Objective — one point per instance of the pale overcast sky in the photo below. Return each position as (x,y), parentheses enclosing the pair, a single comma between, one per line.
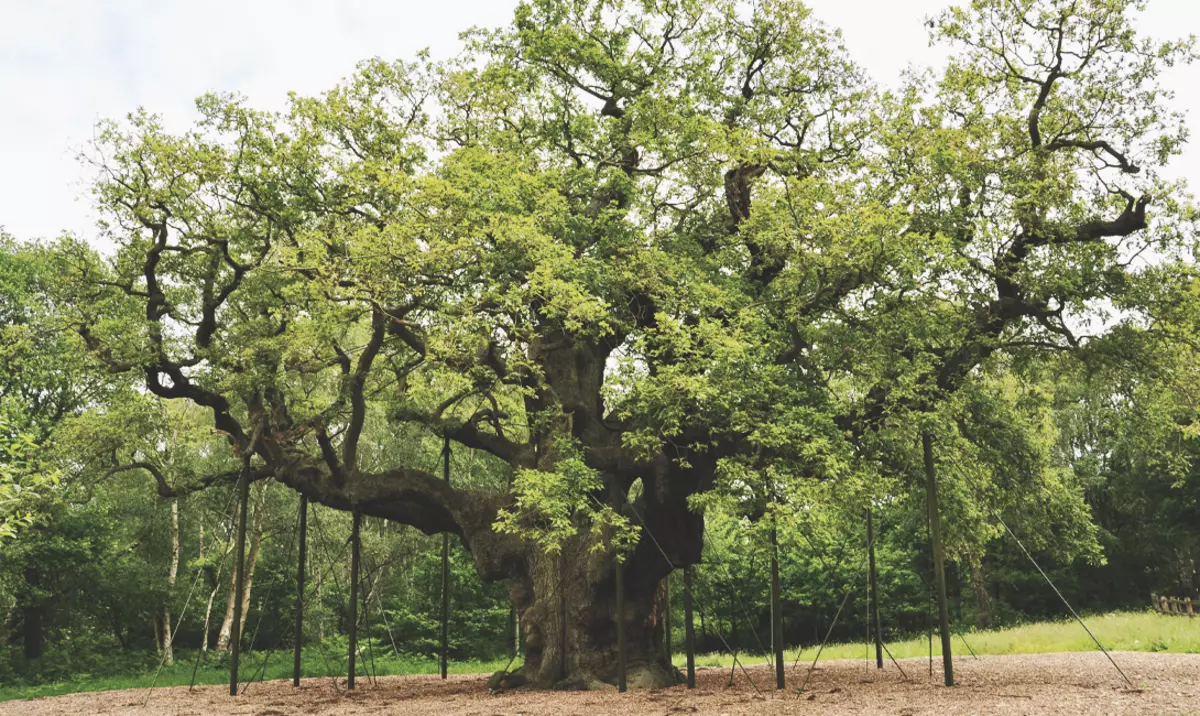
(64,64)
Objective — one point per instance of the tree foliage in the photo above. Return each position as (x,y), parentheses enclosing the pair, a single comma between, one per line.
(649,262)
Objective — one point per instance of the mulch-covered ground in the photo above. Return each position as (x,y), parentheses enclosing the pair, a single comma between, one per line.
(1074,684)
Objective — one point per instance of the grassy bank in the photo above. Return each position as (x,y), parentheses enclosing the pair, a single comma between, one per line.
(278,665)
(1118,631)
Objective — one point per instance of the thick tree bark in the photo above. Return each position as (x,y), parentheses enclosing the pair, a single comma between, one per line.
(587,581)
(939,572)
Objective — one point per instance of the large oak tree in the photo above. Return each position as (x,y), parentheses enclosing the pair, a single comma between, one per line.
(679,244)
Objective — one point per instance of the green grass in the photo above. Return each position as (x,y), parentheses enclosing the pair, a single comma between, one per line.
(279,666)
(1118,631)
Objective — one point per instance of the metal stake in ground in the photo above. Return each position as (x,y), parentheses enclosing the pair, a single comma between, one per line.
(300,589)
(874,592)
(776,610)
(939,567)
(929,612)
(235,629)
(689,628)
(445,654)
(1060,596)
(824,641)
(620,585)
(355,548)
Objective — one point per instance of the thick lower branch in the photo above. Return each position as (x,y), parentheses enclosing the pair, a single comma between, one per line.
(418,499)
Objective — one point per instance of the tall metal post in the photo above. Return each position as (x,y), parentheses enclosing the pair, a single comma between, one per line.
(303,537)
(355,548)
(875,620)
(620,585)
(445,654)
(939,568)
(689,627)
(776,609)
(771,621)
(235,629)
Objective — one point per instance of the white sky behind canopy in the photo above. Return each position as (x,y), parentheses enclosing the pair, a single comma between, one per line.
(65,64)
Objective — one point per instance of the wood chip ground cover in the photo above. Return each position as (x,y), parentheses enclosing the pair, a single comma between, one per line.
(1073,684)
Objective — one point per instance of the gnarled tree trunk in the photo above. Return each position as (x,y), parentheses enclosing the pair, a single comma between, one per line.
(566,601)
(581,653)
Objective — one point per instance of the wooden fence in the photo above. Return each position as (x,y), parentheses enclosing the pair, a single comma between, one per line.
(1172,605)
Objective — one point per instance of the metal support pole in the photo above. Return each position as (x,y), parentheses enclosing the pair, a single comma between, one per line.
(300,589)
(235,630)
(770,621)
(875,620)
(939,567)
(929,613)
(689,628)
(355,548)
(445,653)
(776,609)
(620,585)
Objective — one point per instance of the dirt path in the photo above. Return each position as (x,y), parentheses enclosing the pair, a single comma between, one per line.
(1074,684)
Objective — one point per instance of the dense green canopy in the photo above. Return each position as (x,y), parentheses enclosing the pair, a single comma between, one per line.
(648,260)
